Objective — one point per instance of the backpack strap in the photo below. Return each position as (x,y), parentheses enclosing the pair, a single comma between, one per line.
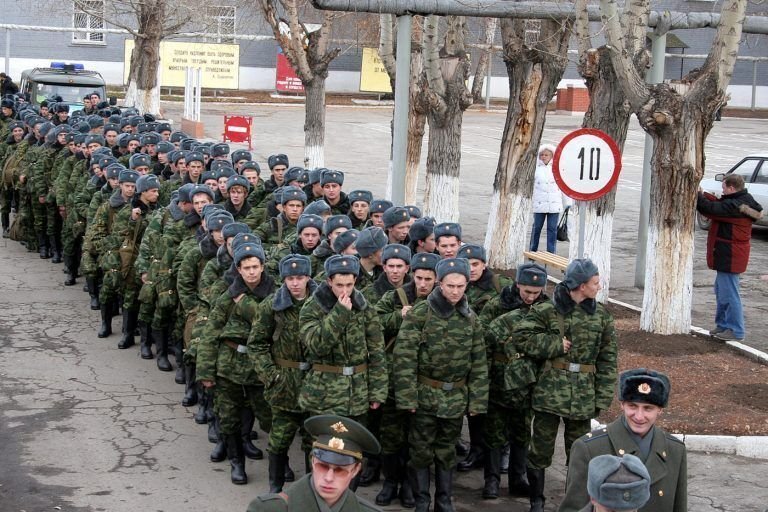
(403,297)
(496,283)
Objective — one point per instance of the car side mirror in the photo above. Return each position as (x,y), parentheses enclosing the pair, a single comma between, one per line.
(112,101)
(720,176)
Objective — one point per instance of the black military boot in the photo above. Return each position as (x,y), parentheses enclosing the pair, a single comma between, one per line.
(372,472)
(406,491)
(420,483)
(443,489)
(202,405)
(130,319)
(93,291)
(518,461)
(145,341)
(55,245)
(536,482)
(390,466)
(219,452)
(236,460)
(190,387)
(289,475)
(492,474)
(505,459)
(161,347)
(277,463)
(42,245)
(246,425)
(6,222)
(474,459)
(178,353)
(106,321)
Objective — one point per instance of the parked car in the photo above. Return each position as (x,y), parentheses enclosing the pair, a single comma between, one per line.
(754,168)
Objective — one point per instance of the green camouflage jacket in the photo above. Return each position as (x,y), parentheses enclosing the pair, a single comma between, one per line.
(59,165)
(589,327)
(444,343)
(230,320)
(275,347)
(41,170)
(189,272)
(338,337)
(484,289)
(274,231)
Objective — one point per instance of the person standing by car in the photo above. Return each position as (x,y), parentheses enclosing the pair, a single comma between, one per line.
(547,200)
(728,245)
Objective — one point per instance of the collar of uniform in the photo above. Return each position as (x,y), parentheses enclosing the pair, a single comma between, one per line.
(208,247)
(176,212)
(623,443)
(283,299)
(485,282)
(223,257)
(564,304)
(323,250)
(445,309)
(262,290)
(191,219)
(116,200)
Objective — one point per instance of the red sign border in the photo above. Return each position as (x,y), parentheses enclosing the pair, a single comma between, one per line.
(580,196)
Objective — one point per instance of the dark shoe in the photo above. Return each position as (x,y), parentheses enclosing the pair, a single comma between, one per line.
(213,431)
(202,404)
(93,291)
(443,490)
(518,462)
(492,474)
(420,484)
(406,492)
(505,459)
(717,330)
(42,244)
(728,335)
(219,452)
(474,459)
(252,451)
(179,377)
(246,425)
(462,448)
(289,476)
(390,466)
(130,319)
(536,481)
(161,347)
(190,389)
(106,321)
(145,343)
(372,472)
(236,460)
(277,464)
(55,246)
(6,233)
(70,280)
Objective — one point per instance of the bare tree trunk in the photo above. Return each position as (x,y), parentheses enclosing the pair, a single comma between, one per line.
(143,87)
(444,90)
(481,71)
(534,72)
(314,123)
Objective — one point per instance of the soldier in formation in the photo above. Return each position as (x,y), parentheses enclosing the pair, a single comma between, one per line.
(280,299)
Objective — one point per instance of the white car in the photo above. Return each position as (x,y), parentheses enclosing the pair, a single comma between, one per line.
(754,168)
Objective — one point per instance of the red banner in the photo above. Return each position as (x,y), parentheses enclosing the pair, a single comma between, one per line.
(286,79)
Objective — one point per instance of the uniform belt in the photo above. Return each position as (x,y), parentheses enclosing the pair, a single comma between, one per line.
(439,384)
(503,358)
(560,364)
(243,349)
(342,370)
(300,365)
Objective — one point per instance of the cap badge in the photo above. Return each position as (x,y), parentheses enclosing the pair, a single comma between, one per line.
(293,265)
(644,388)
(339,428)
(336,443)
(535,278)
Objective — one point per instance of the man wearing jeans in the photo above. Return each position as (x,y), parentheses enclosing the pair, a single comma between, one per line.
(728,244)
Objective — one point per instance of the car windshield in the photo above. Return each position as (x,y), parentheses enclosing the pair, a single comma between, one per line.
(71,94)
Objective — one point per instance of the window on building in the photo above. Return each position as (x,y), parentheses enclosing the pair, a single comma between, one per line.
(88,14)
(221,22)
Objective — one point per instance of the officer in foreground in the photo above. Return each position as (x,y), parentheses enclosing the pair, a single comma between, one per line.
(337,456)
(617,484)
(643,394)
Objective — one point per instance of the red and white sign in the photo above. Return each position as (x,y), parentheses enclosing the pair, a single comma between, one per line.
(238,129)
(285,77)
(587,164)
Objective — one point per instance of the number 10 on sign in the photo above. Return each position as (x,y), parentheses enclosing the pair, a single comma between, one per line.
(586,164)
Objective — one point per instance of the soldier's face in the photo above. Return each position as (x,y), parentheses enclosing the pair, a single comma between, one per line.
(114,183)
(252,177)
(128,189)
(342,284)
(396,269)
(309,237)
(195,168)
(424,280)
(448,246)
(297,286)
(377,220)
(453,287)
(150,196)
(360,210)
(331,191)
(591,288)
(476,269)
(111,137)
(63,116)
(277,173)
(250,270)
(222,184)
(132,145)
(7,111)
(237,195)
(399,232)
(199,201)
(292,209)
(331,481)
(640,417)
(18,134)
(529,294)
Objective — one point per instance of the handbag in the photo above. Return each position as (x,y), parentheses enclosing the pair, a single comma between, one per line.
(562,227)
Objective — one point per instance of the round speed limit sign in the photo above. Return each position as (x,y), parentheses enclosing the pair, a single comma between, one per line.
(587,164)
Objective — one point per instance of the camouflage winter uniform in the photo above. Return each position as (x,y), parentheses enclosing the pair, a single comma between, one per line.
(441,373)
(346,349)
(275,348)
(574,386)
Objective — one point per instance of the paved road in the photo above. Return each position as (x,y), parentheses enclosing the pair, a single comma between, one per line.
(85,427)
(358,139)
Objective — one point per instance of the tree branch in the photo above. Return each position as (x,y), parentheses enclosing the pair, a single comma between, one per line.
(387,44)
(432,57)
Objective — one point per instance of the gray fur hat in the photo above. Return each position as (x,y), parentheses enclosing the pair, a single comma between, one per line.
(578,272)
(370,240)
(618,483)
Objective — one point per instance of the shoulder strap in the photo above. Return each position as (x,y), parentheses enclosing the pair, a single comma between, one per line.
(279,220)
(278,327)
(403,297)
(496,283)
(111,217)
(561,324)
